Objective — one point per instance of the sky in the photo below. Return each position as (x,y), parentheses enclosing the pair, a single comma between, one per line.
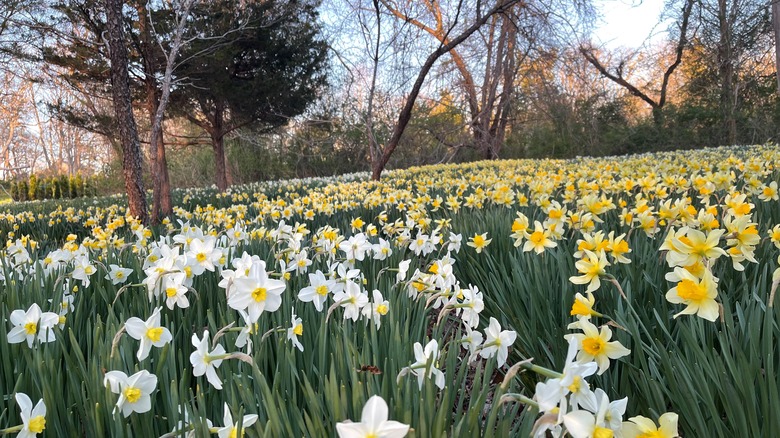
(628,23)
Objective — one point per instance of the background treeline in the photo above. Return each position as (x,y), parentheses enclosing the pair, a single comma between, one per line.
(277,89)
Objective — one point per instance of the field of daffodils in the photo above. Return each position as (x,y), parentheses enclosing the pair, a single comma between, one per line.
(619,297)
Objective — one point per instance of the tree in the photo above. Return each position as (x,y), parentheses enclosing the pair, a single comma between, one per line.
(617,74)
(162,205)
(446,44)
(776,28)
(488,102)
(265,69)
(123,111)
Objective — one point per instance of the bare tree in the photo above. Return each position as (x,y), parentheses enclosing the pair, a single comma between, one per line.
(447,43)
(123,110)
(488,102)
(617,73)
(161,199)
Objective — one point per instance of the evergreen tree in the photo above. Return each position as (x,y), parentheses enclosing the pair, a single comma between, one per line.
(266,67)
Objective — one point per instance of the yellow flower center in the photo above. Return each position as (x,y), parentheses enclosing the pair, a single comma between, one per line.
(602,432)
(132,394)
(434,269)
(298,329)
(31,328)
(37,424)
(89,270)
(171,292)
(537,237)
(575,384)
(518,226)
(120,275)
(580,309)
(382,309)
(479,241)
(321,290)
(154,333)
(62,319)
(689,290)
(201,257)
(259,294)
(593,346)
(620,247)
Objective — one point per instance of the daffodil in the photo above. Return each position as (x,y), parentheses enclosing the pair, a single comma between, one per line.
(479,242)
(592,268)
(352,299)
(149,332)
(697,294)
(206,362)
(375,310)
(33,418)
(134,391)
(497,342)
(595,345)
(118,274)
(643,427)
(539,239)
(31,325)
(425,364)
(373,423)
(295,330)
(256,293)
(230,428)
(583,307)
(318,290)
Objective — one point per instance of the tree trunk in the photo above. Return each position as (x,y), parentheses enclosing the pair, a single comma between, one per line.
(776,26)
(726,73)
(123,111)
(166,205)
(218,143)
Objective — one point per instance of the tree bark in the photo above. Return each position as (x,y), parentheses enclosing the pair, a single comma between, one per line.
(776,26)
(726,72)
(123,110)
(218,143)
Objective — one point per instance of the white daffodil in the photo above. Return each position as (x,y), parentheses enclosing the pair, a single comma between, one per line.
(473,303)
(118,274)
(230,429)
(376,309)
(295,330)
(148,332)
(202,255)
(373,423)
(83,269)
(250,328)
(256,293)
(205,362)
(32,325)
(471,341)
(33,418)
(497,342)
(318,290)
(175,290)
(572,381)
(352,299)
(134,391)
(425,364)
